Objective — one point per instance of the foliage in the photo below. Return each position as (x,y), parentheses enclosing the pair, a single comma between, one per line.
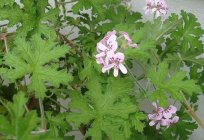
(33,58)
(18,126)
(114,103)
(51,84)
(23,17)
(174,85)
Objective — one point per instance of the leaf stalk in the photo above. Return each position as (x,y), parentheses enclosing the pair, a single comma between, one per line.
(42,114)
(191,112)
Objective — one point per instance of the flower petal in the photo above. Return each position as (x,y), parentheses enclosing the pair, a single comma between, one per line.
(115,73)
(165,122)
(151,116)
(152,123)
(114,46)
(157,14)
(101,47)
(167,114)
(133,45)
(99,60)
(160,109)
(158,126)
(126,36)
(123,68)
(108,67)
(102,54)
(155,105)
(172,109)
(112,39)
(158,116)
(175,119)
(119,56)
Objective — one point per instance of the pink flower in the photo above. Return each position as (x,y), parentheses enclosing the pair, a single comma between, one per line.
(175,120)
(169,111)
(100,61)
(107,36)
(157,122)
(107,57)
(126,36)
(156,117)
(110,45)
(157,7)
(163,117)
(160,8)
(128,39)
(169,122)
(127,2)
(116,61)
(149,6)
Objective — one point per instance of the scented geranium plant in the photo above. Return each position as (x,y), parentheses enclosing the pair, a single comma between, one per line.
(91,66)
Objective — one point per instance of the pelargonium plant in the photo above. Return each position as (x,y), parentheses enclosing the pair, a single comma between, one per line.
(91,69)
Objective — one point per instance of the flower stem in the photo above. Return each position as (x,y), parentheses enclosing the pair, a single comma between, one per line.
(136,81)
(42,113)
(191,112)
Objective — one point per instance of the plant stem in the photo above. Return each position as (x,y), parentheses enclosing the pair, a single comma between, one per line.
(155,55)
(26,108)
(67,41)
(191,112)
(42,113)
(3,37)
(136,81)
(3,25)
(59,104)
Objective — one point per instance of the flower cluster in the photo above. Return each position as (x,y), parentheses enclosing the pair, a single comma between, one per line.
(126,2)
(163,117)
(157,7)
(107,56)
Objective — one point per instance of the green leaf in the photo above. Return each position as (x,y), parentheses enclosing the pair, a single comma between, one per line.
(58,124)
(176,83)
(6,2)
(16,109)
(136,121)
(80,5)
(189,33)
(157,30)
(30,19)
(97,6)
(189,58)
(107,115)
(173,85)
(159,95)
(91,69)
(142,52)
(37,58)
(18,125)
